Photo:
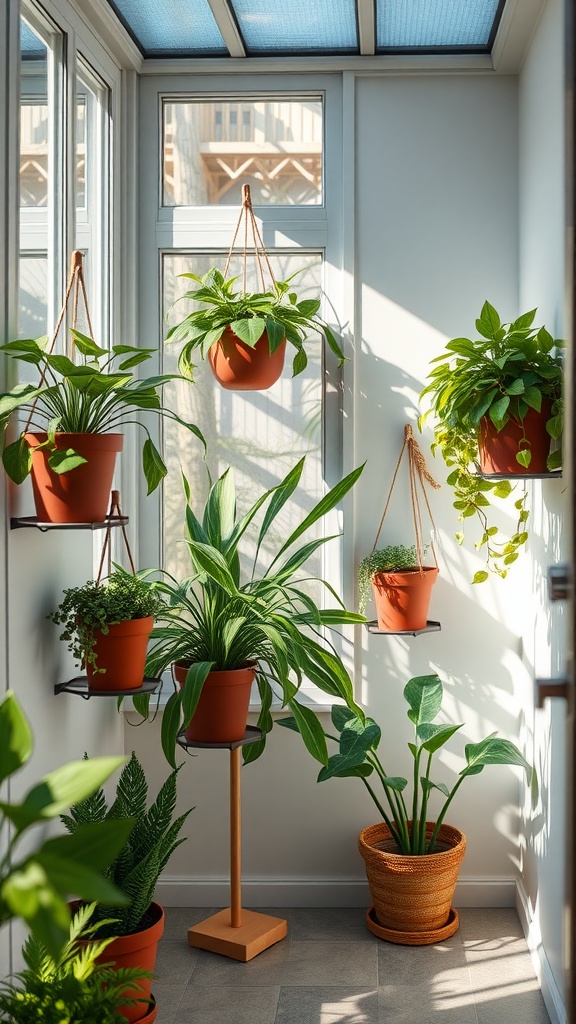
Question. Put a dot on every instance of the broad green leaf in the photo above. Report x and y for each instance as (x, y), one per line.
(22, 394)
(279, 498)
(524, 457)
(489, 318)
(249, 330)
(15, 737)
(63, 460)
(503, 489)
(300, 362)
(492, 750)
(554, 460)
(427, 785)
(524, 321)
(170, 727)
(310, 730)
(275, 332)
(516, 387)
(341, 715)
(28, 894)
(87, 346)
(498, 410)
(220, 510)
(59, 789)
(480, 577)
(196, 676)
(533, 397)
(339, 765)
(424, 697)
(356, 738)
(433, 737)
(394, 782)
(545, 340)
(17, 460)
(554, 427)
(153, 465)
(288, 723)
(212, 562)
(94, 844)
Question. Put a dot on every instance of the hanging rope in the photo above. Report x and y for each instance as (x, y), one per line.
(75, 286)
(418, 476)
(252, 231)
(114, 514)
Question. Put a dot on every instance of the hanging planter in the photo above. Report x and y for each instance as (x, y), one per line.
(222, 710)
(497, 449)
(239, 367)
(395, 576)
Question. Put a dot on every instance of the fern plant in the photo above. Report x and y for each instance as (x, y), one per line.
(71, 988)
(147, 850)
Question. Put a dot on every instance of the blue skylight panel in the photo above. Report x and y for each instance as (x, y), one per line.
(429, 24)
(31, 46)
(297, 26)
(172, 27)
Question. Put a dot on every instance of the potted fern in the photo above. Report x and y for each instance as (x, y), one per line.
(243, 334)
(138, 926)
(107, 625)
(400, 585)
(412, 862)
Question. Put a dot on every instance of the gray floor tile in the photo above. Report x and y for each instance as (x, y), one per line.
(402, 965)
(512, 1005)
(179, 919)
(448, 1003)
(168, 998)
(294, 963)
(175, 962)
(224, 1005)
(319, 924)
(489, 924)
(327, 1005)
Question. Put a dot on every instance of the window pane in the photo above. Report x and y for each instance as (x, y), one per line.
(172, 27)
(297, 26)
(443, 23)
(33, 292)
(34, 170)
(262, 434)
(212, 149)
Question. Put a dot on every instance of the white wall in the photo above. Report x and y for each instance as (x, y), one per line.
(541, 181)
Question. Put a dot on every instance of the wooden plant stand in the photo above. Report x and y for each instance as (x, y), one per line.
(235, 932)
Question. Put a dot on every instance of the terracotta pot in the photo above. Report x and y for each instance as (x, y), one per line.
(497, 449)
(83, 494)
(122, 653)
(222, 710)
(402, 599)
(412, 895)
(238, 367)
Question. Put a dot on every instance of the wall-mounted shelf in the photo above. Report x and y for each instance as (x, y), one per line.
(430, 627)
(27, 522)
(520, 476)
(79, 686)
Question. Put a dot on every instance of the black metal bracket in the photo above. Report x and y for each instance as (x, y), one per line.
(80, 687)
(430, 627)
(23, 522)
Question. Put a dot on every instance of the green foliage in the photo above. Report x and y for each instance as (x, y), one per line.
(249, 314)
(215, 619)
(358, 740)
(97, 606)
(70, 988)
(35, 887)
(508, 370)
(90, 397)
(389, 559)
(146, 851)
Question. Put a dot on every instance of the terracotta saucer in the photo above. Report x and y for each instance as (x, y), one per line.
(413, 938)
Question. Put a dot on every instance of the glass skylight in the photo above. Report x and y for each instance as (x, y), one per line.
(172, 27)
(429, 24)
(297, 26)
(31, 46)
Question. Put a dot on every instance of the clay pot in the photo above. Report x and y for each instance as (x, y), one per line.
(83, 494)
(497, 448)
(402, 599)
(138, 950)
(238, 367)
(122, 653)
(222, 710)
(412, 895)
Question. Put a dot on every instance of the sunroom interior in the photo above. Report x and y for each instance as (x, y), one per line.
(408, 159)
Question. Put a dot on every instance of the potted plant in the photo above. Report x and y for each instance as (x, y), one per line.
(223, 627)
(401, 587)
(243, 334)
(137, 926)
(74, 986)
(498, 403)
(34, 885)
(412, 863)
(69, 444)
(107, 625)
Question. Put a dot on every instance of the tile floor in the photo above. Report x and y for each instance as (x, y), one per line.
(332, 970)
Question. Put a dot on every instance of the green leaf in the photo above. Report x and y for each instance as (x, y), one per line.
(29, 895)
(250, 330)
(427, 785)
(489, 319)
(492, 750)
(87, 346)
(288, 723)
(524, 457)
(498, 410)
(209, 560)
(220, 510)
(554, 460)
(524, 321)
(153, 465)
(170, 727)
(433, 737)
(275, 332)
(394, 782)
(15, 737)
(424, 697)
(516, 387)
(310, 730)
(503, 489)
(480, 577)
(554, 427)
(545, 340)
(17, 460)
(300, 362)
(61, 788)
(196, 676)
(63, 460)
(533, 397)
(325, 505)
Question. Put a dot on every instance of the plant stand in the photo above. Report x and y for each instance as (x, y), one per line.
(235, 932)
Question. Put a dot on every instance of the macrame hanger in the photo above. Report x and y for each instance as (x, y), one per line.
(113, 514)
(75, 287)
(418, 476)
(248, 219)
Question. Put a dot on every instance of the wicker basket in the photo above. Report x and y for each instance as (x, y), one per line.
(410, 893)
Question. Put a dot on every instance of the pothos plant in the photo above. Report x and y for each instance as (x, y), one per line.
(277, 311)
(510, 369)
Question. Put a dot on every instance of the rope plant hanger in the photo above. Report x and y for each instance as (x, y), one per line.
(394, 573)
(252, 240)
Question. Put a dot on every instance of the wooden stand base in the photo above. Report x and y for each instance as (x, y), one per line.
(255, 933)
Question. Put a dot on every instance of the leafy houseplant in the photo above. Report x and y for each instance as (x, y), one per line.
(34, 886)
(136, 868)
(498, 403)
(91, 397)
(89, 614)
(400, 585)
(276, 313)
(216, 621)
(72, 987)
(405, 822)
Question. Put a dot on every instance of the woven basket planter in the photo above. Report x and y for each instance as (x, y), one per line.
(412, 895)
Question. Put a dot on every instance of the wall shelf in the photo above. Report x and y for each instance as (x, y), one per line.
(27, 522)
(520, 476)
(79, 686)
(430, 627)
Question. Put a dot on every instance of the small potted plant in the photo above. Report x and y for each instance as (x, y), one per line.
(222, 628)
(401, 587)
(136, 927)
(107, 626)
(70, 442)
(412, 863)
(74, 986)
(498, 404)
(243, 334)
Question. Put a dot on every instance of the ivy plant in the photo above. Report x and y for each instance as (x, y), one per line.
(389, 559)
